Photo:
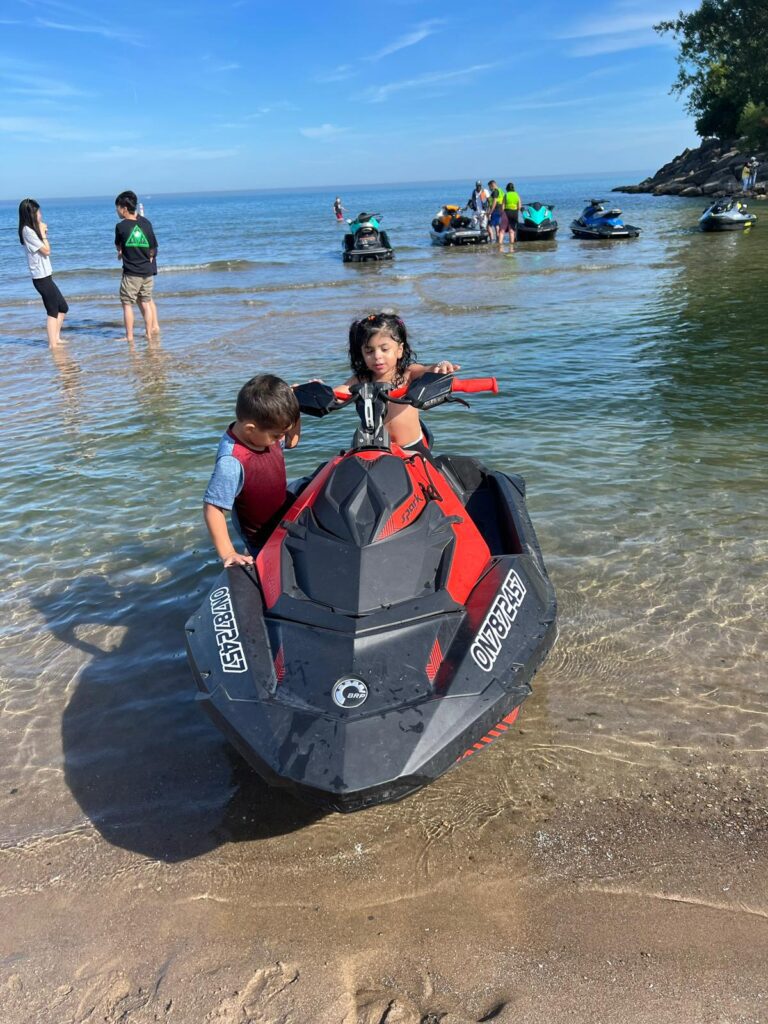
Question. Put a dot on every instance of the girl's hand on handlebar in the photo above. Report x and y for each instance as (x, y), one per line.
(445, 366)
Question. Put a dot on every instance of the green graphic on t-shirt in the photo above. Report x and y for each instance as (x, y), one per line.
(137, 239)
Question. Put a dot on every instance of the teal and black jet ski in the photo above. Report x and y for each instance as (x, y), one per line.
(366, 240)
(536, 222)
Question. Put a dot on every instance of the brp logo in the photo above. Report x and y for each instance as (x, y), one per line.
(349, 692)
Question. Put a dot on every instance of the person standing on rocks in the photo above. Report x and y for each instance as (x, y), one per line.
(752, 172)
(746, 173)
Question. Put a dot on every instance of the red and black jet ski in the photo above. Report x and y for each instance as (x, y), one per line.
(391, 624)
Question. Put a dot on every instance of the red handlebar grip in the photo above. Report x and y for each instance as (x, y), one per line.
(476, 384)
(342, 394)
(469, 386)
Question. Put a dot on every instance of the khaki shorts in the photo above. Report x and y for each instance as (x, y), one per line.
(135, 289)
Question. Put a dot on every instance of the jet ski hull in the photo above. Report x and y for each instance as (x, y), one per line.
(603, 233)
(535, 232)
(367, 255)
(350, 710)
(459, 237)
(715, 223)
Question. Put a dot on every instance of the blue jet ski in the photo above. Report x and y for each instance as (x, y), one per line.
(598, 223)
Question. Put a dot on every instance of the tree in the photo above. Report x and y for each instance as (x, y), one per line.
(722, 62)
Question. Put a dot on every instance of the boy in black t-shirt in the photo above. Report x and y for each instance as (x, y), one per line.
(137, 248)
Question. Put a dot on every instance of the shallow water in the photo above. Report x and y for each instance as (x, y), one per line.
(634, 388)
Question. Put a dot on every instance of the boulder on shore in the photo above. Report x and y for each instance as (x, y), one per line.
(714, 169)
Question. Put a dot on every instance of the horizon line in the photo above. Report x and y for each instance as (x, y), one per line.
(336, 188)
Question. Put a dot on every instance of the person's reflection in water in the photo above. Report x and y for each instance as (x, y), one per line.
(149, 363)
(69, 380)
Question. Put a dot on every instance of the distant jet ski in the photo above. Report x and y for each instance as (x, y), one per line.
(451, 227)
(365, 240)
(727, 214)
(536, 222)
(598, 223)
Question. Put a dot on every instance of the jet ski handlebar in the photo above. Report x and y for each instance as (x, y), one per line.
(431, 389)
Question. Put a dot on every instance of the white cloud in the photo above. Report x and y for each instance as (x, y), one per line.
(323, 131)
(615, 44)
(339, 74)
(629, 26)
(39, 86)
(422, 31)
(380, 93)
(96, 30)
(43, 129)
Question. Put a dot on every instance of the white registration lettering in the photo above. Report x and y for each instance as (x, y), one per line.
(498, 622)
(231, 654)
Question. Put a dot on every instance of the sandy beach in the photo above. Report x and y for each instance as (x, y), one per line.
(593, 893)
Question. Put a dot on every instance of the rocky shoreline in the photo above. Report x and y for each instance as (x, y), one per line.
(713, 169)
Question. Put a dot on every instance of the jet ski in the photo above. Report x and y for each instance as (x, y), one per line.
(390, 626)
(597, 222)
(727, 214)
(365, 240)
(451, 227)
(536, 222)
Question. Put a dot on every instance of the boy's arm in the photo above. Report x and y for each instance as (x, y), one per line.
(216, 521)
(293, 434)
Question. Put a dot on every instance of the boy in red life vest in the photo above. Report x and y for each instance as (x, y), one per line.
(248, 479)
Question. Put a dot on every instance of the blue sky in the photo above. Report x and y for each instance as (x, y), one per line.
(237, 94)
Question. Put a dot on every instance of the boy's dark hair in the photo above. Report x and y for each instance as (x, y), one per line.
(129, 200)
(361, 330)
(28, 218)
(268, 402)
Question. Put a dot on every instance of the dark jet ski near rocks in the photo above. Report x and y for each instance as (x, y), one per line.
(365, 240)
(536, 222)
(392, 623)
(598, 223)
(727, 214)
(450, 226)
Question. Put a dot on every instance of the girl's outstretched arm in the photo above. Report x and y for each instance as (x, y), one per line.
(416, 370)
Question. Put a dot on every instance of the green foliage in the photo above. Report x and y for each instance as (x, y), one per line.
(722, 62)
(753, 125)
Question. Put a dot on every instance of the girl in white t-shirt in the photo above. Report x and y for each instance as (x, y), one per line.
(33, 235)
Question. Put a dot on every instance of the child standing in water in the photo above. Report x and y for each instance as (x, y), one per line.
(379, 351)
(248, 480)
(137, 248)
(33, 235)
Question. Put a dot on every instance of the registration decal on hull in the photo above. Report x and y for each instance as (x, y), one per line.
(231, 652)
(498, 622)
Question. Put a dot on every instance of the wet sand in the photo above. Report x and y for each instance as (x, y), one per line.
(541, 881)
